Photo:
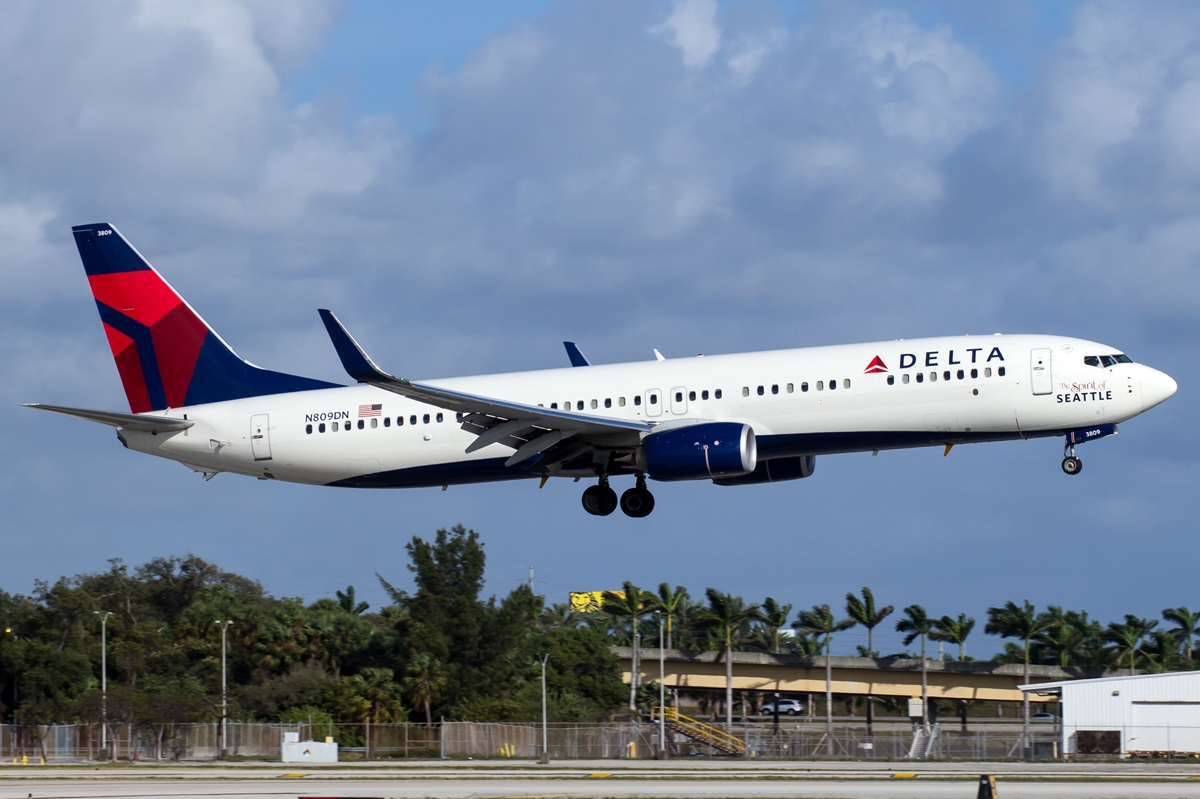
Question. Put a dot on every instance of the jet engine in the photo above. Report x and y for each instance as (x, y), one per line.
(775, 470)
(699, 452)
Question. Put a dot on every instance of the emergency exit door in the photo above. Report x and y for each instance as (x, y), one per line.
(260, 437)
(1040, 376)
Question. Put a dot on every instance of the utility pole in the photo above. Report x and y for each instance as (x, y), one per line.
(16, 678)
(662, 692)
(103, 678)
(224, 625)
(531, 579)
(545, 740)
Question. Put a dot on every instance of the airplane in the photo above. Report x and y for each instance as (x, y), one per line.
(740, 419)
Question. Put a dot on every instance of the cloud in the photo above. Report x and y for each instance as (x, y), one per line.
(692, 27)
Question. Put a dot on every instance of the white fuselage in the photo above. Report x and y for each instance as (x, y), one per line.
(787, 396)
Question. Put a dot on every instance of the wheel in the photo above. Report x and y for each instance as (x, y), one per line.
(599, 500)
(1072, 465)
(637, 503)
(792, 712)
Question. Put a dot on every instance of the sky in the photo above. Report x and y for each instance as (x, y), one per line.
(469, 183)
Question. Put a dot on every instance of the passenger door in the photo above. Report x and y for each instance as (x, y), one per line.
(654, 402)
(1040, 376)
(679, 400)
(260, 436)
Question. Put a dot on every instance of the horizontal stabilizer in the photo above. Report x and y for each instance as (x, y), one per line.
(128, 421)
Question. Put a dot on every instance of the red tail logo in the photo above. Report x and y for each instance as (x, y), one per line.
(875, 366)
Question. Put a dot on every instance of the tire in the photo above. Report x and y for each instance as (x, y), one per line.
(599, 500)
(1072, 465)
(637, 503)
(792, 712)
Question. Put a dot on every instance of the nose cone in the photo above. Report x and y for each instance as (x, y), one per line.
(1156, 387)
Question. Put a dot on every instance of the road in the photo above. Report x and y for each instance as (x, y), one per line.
(609, 779)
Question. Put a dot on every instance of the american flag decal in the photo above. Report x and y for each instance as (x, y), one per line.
(370, 410)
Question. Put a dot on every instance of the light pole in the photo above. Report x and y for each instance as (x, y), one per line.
(662, 692)
(224, 625)
(8, 631)
(103, 678)
(545, 740)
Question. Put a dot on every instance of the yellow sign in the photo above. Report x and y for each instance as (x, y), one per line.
(590, 601)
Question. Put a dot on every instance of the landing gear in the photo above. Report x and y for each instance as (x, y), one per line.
(1071, 464)
(600, 500)
(638, 502)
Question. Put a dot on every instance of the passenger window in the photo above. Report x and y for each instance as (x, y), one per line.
(904, 378)
(775, 389)
(321, 427)
(387, 421)
(891, 380)
(620, 402)
(974, 373)
(346, 427)
(399, 421)
(920, 377)
(554, 405)
(846, 383)
(961, 374)
(374, 423)
(653, 399)
(579, 405)
(987, 371)
(791, 388)
(308, 429)
(679, 396)
(637, 400)
(692, 396)
(820, 385)
(1091, 360)
(933, 377)
(360, 424)
(761, 391)
(458, 417)
(334, 427)
(567, 405)
(832, 385)
(745, 391)
(608, 402)
(804, 388)
(439, 417)
(717, 393)
(425, 419)
(704, 394)
(412, 419)
(946, 375)
(1000, 371)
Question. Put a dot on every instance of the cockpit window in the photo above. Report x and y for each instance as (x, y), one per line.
(1106, 360)
(1091, 360)
(1120, 358)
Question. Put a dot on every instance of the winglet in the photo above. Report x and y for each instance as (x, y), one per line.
(658, 356)
(575, 355)
(356, 362)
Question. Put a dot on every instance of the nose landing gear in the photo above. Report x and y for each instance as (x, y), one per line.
(638, 502)
(1071, 464)
(600, 500)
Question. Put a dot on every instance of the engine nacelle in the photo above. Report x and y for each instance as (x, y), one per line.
(774, 471)
(699, 452)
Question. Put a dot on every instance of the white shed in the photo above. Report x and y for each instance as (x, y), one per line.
(1144, 713)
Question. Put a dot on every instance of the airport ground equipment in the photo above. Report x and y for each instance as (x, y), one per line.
(699, 732)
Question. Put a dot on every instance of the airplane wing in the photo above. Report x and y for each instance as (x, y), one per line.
(128, 421)
(528, 429)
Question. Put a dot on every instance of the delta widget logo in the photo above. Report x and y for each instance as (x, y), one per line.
(876, 366)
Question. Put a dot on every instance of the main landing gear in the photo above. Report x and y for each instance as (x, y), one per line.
(1071, 464)
(601, 500)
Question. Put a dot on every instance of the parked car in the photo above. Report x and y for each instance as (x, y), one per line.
(1043, 717)
(787, 707)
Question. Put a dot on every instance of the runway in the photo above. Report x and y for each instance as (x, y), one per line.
(704, 780)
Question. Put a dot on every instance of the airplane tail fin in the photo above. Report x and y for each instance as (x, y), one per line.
(167, 356)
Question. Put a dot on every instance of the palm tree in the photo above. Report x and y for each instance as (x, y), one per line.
(560, 615)
(374, 694)
(1063, 638)
(346, 602)
(730, 616)
(424, 682)
(918, 625)
(774, 618)
(1187, 624)
(954, 631)
(819, 621)
(670, 603)
(1024, 622)
(864, 612)
(634, 603)
(1128, 636)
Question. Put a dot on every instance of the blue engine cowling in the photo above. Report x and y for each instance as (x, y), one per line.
(775, 470)
(699, 452)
